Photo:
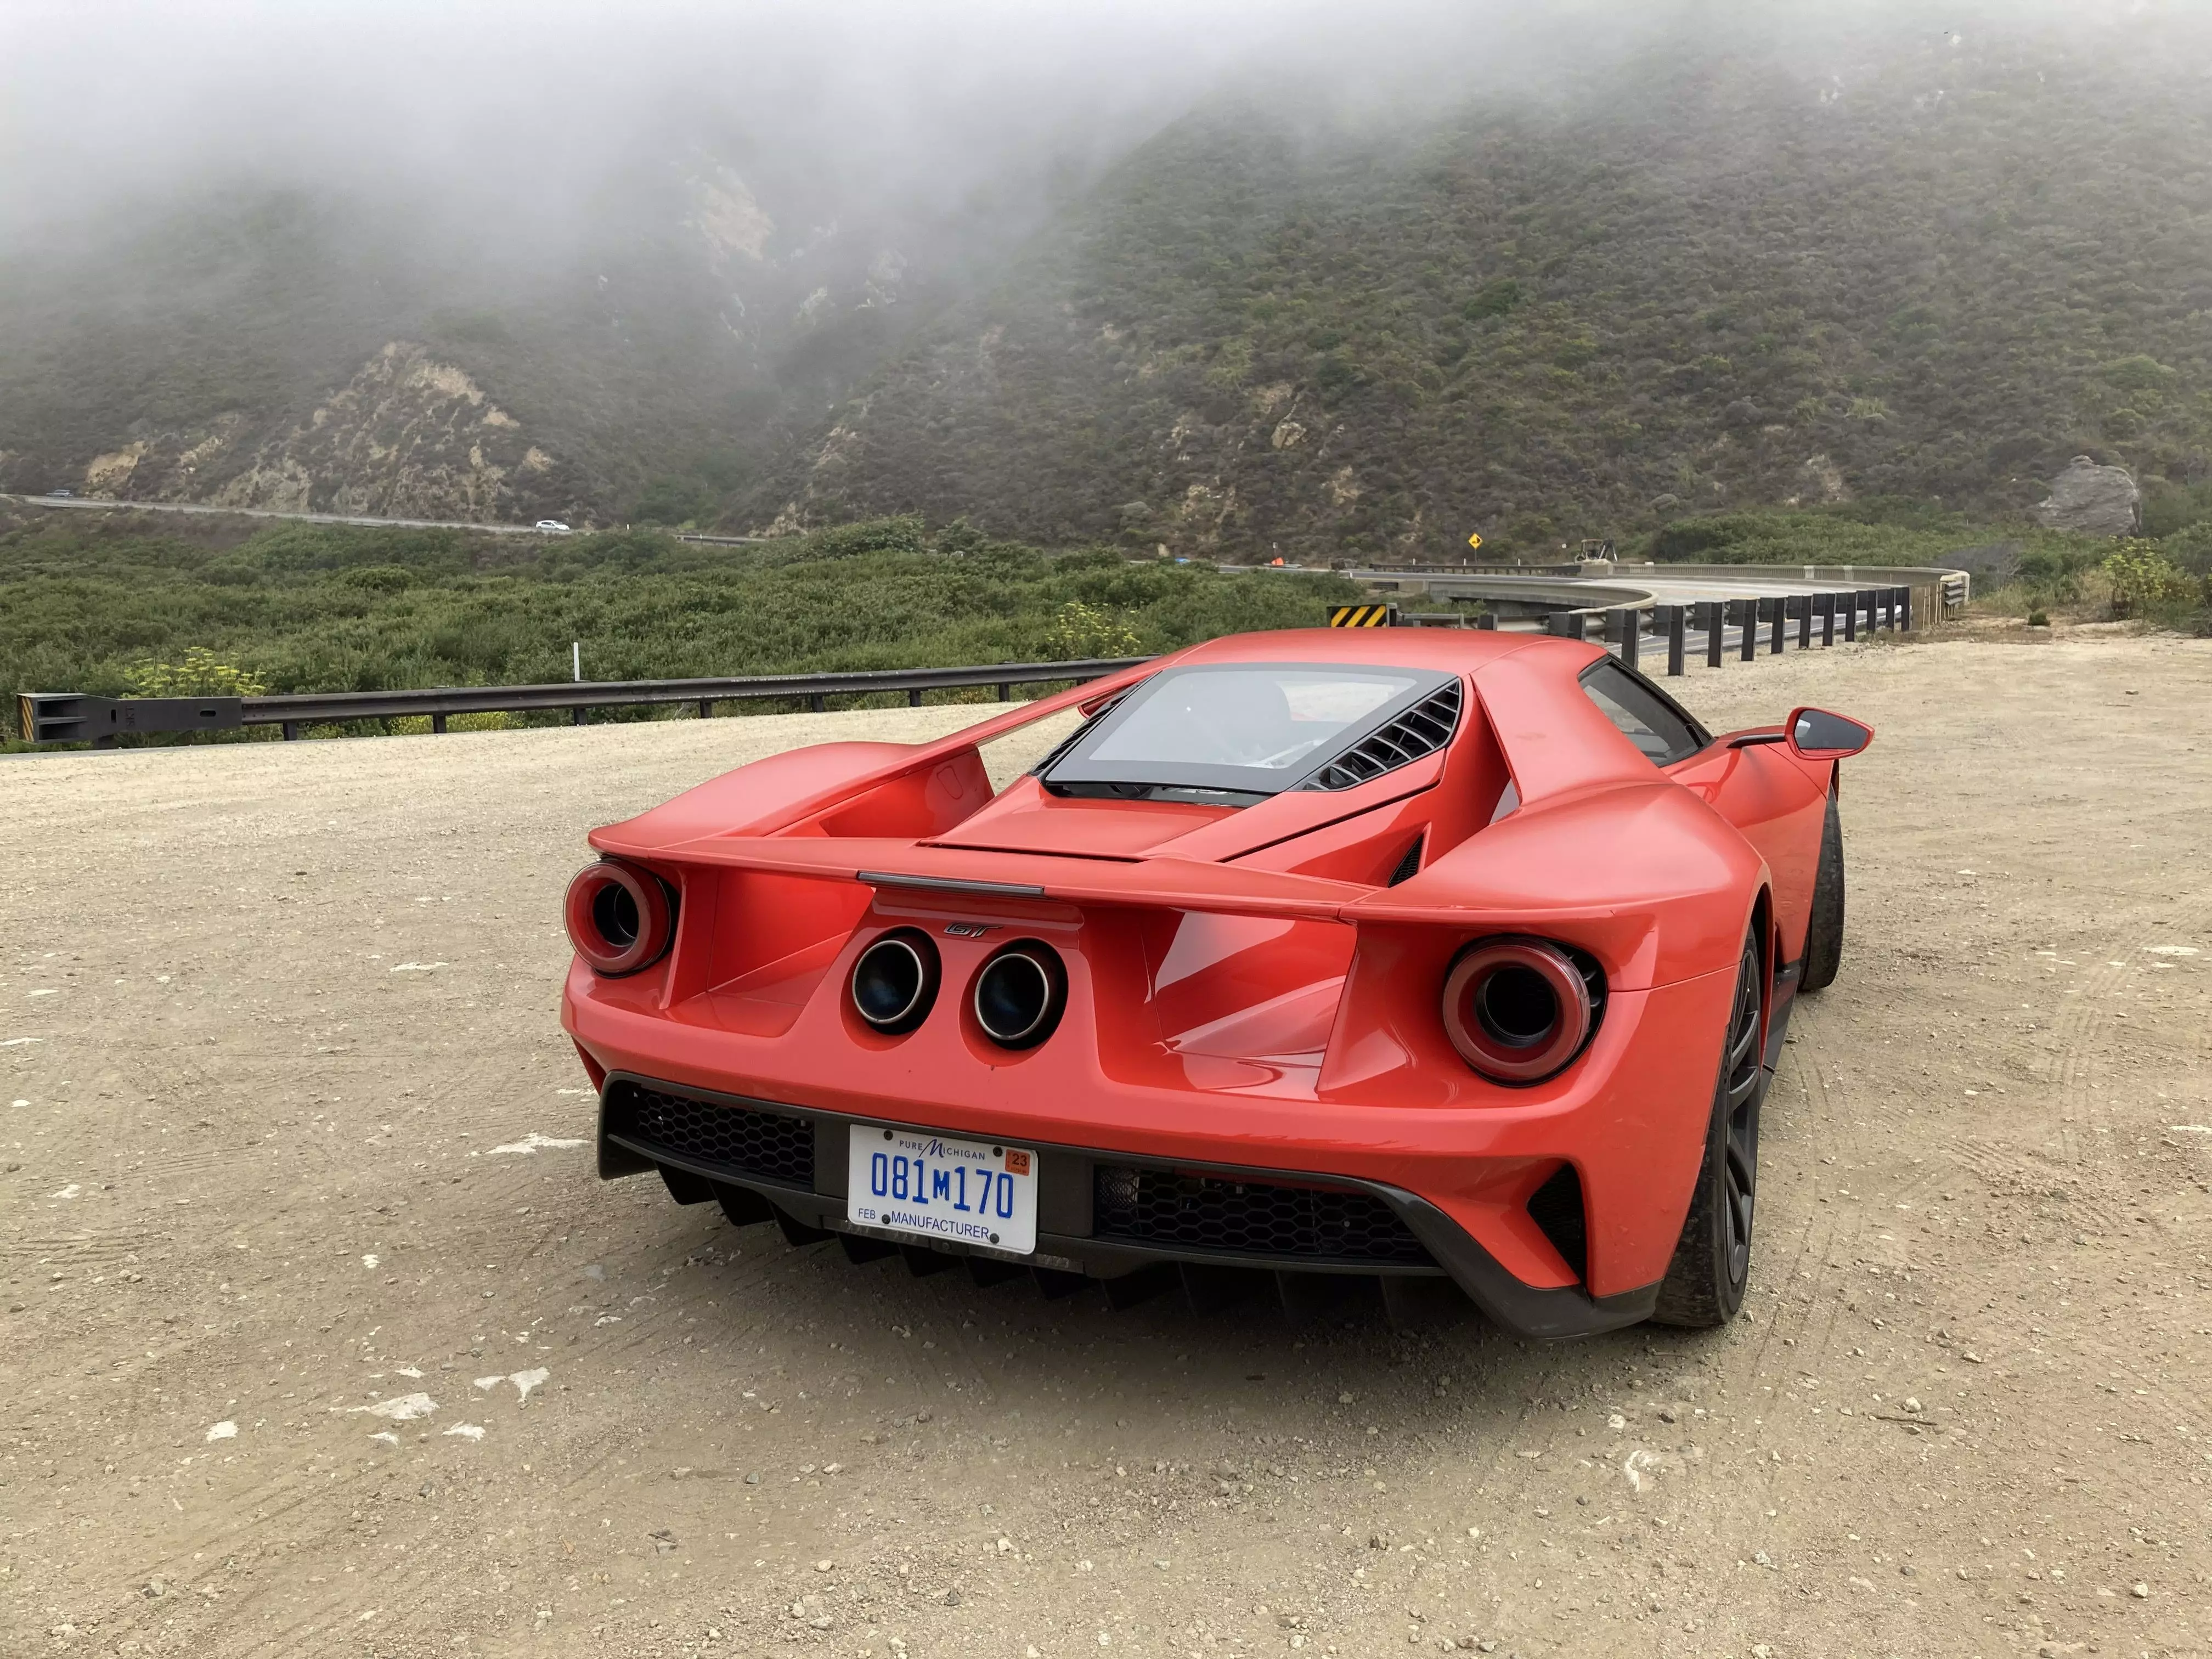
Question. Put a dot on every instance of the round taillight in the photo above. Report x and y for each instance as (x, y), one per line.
(895, 982)
(619, 917)
(1019, 994)
(1517, 1010)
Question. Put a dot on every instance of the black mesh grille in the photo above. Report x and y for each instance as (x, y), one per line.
(1422, 730)
(764, 1144)
(1157, 1206)
(1410, 866)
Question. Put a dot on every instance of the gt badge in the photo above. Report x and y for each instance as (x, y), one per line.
(966, 929)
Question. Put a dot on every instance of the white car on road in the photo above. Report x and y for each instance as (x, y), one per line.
(555, 526)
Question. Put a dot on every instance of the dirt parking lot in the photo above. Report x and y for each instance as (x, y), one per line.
(321, 1337)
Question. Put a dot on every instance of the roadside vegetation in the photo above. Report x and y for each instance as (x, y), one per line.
(134, 610)
(160, 607)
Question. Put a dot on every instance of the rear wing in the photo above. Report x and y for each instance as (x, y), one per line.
(904, 866)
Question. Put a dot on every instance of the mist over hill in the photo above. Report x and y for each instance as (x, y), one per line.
(1536, 271)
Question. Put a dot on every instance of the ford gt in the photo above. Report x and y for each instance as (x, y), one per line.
(1414, 957)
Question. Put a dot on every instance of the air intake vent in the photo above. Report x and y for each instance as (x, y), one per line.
(1410, 866)
(1422, 730)
(1556, 1207)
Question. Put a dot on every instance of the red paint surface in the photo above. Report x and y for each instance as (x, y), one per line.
(1241, 988)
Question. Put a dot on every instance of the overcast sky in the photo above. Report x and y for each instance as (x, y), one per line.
(107, 99)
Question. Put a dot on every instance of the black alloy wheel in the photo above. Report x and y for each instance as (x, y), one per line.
(1711, 1268)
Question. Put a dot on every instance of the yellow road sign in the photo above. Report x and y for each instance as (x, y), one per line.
(1475, 542)
(1363, 615)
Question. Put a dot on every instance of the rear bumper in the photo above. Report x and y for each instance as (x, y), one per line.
(800, 1171)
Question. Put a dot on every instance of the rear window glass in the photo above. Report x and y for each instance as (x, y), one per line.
(1251, 728)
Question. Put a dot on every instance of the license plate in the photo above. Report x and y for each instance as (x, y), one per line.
(968, 1192)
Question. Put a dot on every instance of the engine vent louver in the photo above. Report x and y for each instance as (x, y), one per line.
(1422, 730)
(1410, 866)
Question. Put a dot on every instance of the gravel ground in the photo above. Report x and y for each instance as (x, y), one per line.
(321, 1337)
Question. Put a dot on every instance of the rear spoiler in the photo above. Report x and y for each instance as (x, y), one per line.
(901, 865)
(1163, 884)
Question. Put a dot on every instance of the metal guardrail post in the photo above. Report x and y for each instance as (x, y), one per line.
(1827, 603)
(1487, 622)
(70, 717)
(1905, 596)
(437, 723)
(1713, 614)
(1803, 603)
(1851, 616)
(1627, 630)
(1675, 618)
(1750, 652)
(1778, 622)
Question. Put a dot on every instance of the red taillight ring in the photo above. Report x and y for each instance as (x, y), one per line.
(619, 917)
(1517, 1010)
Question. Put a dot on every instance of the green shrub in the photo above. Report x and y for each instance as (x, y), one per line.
(2172, 509)
(2190, 548)
(1493, 299)
(2145, 586)
(112, 614)
(201, 674)
(2052, 575)
(2138, 374)
(1083, 630)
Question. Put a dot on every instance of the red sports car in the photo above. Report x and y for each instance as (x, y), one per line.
(1320, 956)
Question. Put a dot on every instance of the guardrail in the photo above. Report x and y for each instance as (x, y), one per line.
(72, 717)
(1889, 608)
(1534, 591)
(49, 717)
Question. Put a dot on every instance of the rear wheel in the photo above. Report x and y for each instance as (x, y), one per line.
(1705, 1281)
(1824, 939)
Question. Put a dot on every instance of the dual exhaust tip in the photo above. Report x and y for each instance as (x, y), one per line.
(1016, 998)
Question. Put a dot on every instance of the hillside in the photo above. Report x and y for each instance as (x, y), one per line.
(356, 351)
(1700, 284)
(1706, 279)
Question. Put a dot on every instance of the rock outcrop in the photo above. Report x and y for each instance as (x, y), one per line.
(408, 437)
(2092, 500)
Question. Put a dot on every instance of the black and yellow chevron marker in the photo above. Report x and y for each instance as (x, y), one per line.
(1363, 615)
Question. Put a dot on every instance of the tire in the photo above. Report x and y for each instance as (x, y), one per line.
(1824, 937)
(1705, 1281)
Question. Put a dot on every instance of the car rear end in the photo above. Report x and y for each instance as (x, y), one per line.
(1354, 1053)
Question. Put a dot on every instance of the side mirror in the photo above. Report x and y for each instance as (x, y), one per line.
(1815, 735)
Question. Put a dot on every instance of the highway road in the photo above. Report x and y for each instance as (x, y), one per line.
(104, 504)
(107, 504)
